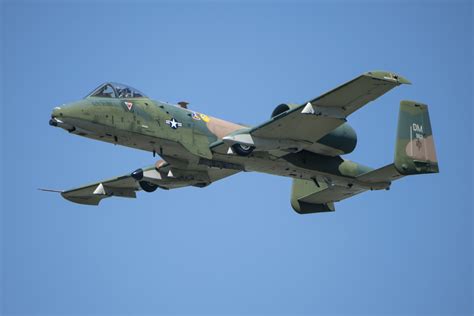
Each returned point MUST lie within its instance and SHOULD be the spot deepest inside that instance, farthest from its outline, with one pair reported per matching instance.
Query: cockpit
(116, 90)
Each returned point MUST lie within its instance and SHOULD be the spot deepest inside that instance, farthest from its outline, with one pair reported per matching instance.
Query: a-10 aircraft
(305, 142)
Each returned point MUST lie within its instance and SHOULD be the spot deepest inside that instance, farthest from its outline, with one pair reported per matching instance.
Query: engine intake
(282, 108)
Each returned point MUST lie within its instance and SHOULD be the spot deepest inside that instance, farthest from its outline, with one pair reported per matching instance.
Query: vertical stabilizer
(306, 197)
(415, 150)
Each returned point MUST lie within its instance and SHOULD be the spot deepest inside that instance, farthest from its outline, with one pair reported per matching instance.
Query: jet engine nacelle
(283, 108)
(340, 141)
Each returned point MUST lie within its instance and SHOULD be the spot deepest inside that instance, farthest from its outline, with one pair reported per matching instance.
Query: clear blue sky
(235, 247)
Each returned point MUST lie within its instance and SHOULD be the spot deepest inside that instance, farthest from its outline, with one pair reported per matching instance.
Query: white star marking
(173, 123)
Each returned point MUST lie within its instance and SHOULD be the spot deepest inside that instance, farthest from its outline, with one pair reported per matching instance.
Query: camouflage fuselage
(193, 140)
(301, 141)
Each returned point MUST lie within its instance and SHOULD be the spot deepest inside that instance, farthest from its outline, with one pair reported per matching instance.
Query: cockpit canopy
(116, 90)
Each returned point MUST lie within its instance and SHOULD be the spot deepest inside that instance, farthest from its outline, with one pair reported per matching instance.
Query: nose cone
(57, 120)
(56, 111)
(69, 111)
(54, 116)
(66, 116)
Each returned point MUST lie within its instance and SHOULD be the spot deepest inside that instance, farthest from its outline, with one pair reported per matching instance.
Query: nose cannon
(56, 120)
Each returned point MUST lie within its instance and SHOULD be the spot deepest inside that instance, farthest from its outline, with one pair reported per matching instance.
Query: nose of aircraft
(55, 114)
(56, 111)
(57, 119)
(70, 111)
(64, 116)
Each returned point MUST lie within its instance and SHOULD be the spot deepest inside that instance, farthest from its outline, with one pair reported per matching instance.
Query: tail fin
(415, 151)
(305, 197)
(415, 154)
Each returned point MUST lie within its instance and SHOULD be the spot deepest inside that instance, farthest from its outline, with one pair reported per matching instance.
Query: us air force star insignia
(173, 123)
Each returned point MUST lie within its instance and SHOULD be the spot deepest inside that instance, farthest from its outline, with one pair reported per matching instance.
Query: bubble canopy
(115, 90)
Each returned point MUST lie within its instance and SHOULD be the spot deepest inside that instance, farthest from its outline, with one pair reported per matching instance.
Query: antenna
(183, 104)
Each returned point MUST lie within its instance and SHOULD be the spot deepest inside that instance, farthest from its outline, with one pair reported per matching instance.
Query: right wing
(330, 109)
(303, 125)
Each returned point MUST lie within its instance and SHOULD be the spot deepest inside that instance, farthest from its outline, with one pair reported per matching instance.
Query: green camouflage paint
(415, 151)
(199, 149)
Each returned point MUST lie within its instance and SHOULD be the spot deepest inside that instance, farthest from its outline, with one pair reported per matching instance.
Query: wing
(162, 175)
(329, 110)
(303, 125)
(92, 194)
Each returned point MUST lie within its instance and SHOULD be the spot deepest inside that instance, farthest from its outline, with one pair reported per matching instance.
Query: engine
(341, 140)
(283, 108)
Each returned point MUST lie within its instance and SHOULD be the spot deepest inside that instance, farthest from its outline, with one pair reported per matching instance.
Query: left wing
(161, 175)
(92, 194)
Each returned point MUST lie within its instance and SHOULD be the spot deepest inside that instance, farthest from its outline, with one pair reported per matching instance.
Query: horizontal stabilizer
(317, 196)
(309, 208)
(381, 175)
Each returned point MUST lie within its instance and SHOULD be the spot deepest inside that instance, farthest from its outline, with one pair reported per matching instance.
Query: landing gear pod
(148, 186)
(242, 150)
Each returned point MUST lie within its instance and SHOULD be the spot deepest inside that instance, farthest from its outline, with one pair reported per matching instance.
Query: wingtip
(84, 200)
(390, 76)
(50, 190)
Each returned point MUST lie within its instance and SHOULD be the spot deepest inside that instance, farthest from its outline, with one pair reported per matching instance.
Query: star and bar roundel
(173, 123)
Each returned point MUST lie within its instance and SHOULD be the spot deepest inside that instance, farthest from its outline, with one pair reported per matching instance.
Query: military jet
(305, 142)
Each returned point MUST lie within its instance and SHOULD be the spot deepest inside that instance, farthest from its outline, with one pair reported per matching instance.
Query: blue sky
(235, 247)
